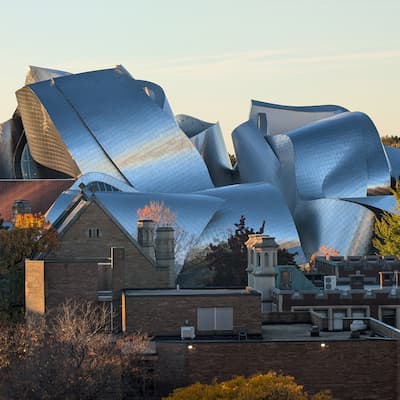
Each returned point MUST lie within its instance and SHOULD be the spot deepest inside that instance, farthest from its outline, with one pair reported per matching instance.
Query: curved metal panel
(38, 74)
(257, 202)
(256, 161)
(208, 140)
(341, 225)
(339, 156)
(57, 136)
(393, 156)
(141, 139)
(91, 177)
(45, 144)
(10, 134)
(384, 203)
(274, 118)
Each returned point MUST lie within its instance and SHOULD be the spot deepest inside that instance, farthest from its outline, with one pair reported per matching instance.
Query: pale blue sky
(213, 56)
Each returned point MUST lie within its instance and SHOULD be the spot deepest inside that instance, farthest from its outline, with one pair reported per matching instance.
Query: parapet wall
(350, 369)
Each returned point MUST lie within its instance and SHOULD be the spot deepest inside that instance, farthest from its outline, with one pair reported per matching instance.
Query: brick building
(213, 312)
(96, 258)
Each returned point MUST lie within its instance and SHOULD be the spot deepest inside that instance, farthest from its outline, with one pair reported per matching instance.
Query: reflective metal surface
(258, 202)
(274, 118)
(9, 137)
(37, 74)
(341, 225)
(328, 161)
(92, 177)
(107, 123)
(209, 142)
(308, 171)
(393, 156)
(384, 203)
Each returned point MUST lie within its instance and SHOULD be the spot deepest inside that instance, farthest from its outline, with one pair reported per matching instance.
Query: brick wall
(140, 272)
(72, 280)
(352, 370)
(164, 315)
(34, 286)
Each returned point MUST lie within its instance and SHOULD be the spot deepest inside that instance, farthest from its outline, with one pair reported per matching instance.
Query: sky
(213, 56)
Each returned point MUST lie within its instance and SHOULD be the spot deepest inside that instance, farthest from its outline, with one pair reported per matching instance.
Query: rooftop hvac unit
(187, 332)
(330, 282)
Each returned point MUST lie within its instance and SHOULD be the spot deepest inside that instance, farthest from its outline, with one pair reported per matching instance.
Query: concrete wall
(164, 315)
(352, 370)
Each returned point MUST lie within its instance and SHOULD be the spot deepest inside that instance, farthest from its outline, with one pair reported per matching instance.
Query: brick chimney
(145, 236)
(165, 251)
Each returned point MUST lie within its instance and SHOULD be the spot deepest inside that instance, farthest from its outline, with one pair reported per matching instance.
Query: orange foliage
(158, 212)
(324, 251)
(28, 220)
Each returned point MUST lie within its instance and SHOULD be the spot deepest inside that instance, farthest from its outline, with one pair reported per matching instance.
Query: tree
(158, 212)
(31, 235)
(232, 158)
(162, 215)
(269, 386)
(324, 251)
(392, 141)
(228, 260)
(69, 354)
(387, 230)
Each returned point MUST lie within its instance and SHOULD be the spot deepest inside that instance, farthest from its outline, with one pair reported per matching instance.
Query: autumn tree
(162, 215)
(158, 212)
(269, 386)
(387, 230)
(323, 251)
(30, 235)
(69, 354)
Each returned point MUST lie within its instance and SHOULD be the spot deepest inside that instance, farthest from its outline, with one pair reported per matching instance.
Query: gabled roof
(80, 203)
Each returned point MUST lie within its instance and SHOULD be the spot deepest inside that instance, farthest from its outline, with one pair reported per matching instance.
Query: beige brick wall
(34, 287)
(71, 270)
(164, 315)
(75, 243)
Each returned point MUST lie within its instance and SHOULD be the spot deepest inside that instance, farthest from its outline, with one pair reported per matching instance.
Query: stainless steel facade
(309, 172)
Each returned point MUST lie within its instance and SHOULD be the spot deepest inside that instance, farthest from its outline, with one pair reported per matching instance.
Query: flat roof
(301, 332)
(189, 292)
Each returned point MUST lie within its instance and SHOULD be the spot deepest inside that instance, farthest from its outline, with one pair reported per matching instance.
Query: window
(389, 316)
(94, 233)
(358, 312)
(215, 319)
(286, 280)
(258, 259)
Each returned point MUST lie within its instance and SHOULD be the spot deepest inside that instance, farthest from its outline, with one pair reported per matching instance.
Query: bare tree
(68, 354)
(162, 215)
